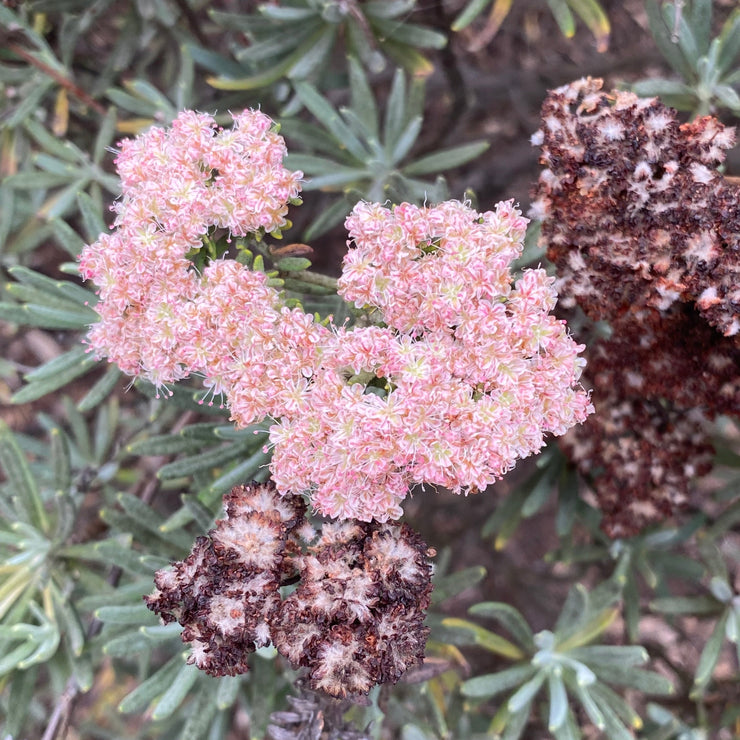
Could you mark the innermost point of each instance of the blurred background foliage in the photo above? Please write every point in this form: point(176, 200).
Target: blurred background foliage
point(103, 482)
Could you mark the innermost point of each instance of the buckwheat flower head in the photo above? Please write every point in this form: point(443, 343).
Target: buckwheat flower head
point(634, 209)
point(225, 594)
point(468, 374)
point(641, 455)
point(179, 185)
point(422, 266)
point(644, 232)
point(356, 618)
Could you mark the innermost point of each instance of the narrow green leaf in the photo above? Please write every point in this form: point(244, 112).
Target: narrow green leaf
point(700, 21)
point(109, 551)
point(20, 698)
point(445, 159)
point(48, 317)
point(70, 623)
point(471, 11)
point(360, 43)
point(524, 695)
point(130, 103)
point(588, 631)
point(67, 237)
point(610, 655)
point(729, 38)
point(146, 91)
point(147, 691)
point(592, 710)
point(362, 97)
point(686, 39)
point(92, 221)
point(541, 489)
point(388, 8)
point(574, 611)
point(613, 727)
point(308, 64)
point(709, 656)
point(509, 618)
point(203, 462)
point(59, 147)
point(201, 715)
point(192, 509)
point(35, 180)
point(26, 495)
point(44, 651)
point(64, 290)
point(130, 614)
point(593, 15)
point(409, 34)
point(228, 691)
point(325, 112)
point(100, 390)
point(268, 76)
point(396, 117)
point(164, 444)
point(11, 660)
point(646, 681)
point(183, 89)
point(38, 387)
point(42, 298)
point(492, 684)
point(563, 17)
point(337, 180)
point(176, 692)
point(727, 96)
point(568, 500)
point(127, 644)
point(313, 165)
point(279, 13)
point(662, 34)
point(60, 458)
point(445, 587)
point(293, 264)
point(614, 706)
point(106, 132)
point(558, 701)
point(405, 141)
point(146, 517)
point(327, 219)
point(484, 638)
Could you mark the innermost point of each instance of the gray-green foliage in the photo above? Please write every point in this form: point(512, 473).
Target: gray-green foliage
point(589, 12)
point(707, 66)
point(361, 154)
point(560, 668)
point(296, 40)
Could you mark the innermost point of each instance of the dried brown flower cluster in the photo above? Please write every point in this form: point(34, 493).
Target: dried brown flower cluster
point(226, 592)
point(356, 618)
point(641, 453)
point(635, 213)
point(645, 234)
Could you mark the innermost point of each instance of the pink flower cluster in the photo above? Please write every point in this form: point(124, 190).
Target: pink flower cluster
point(179, 185)
point(459, 374)
point(464, 376)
